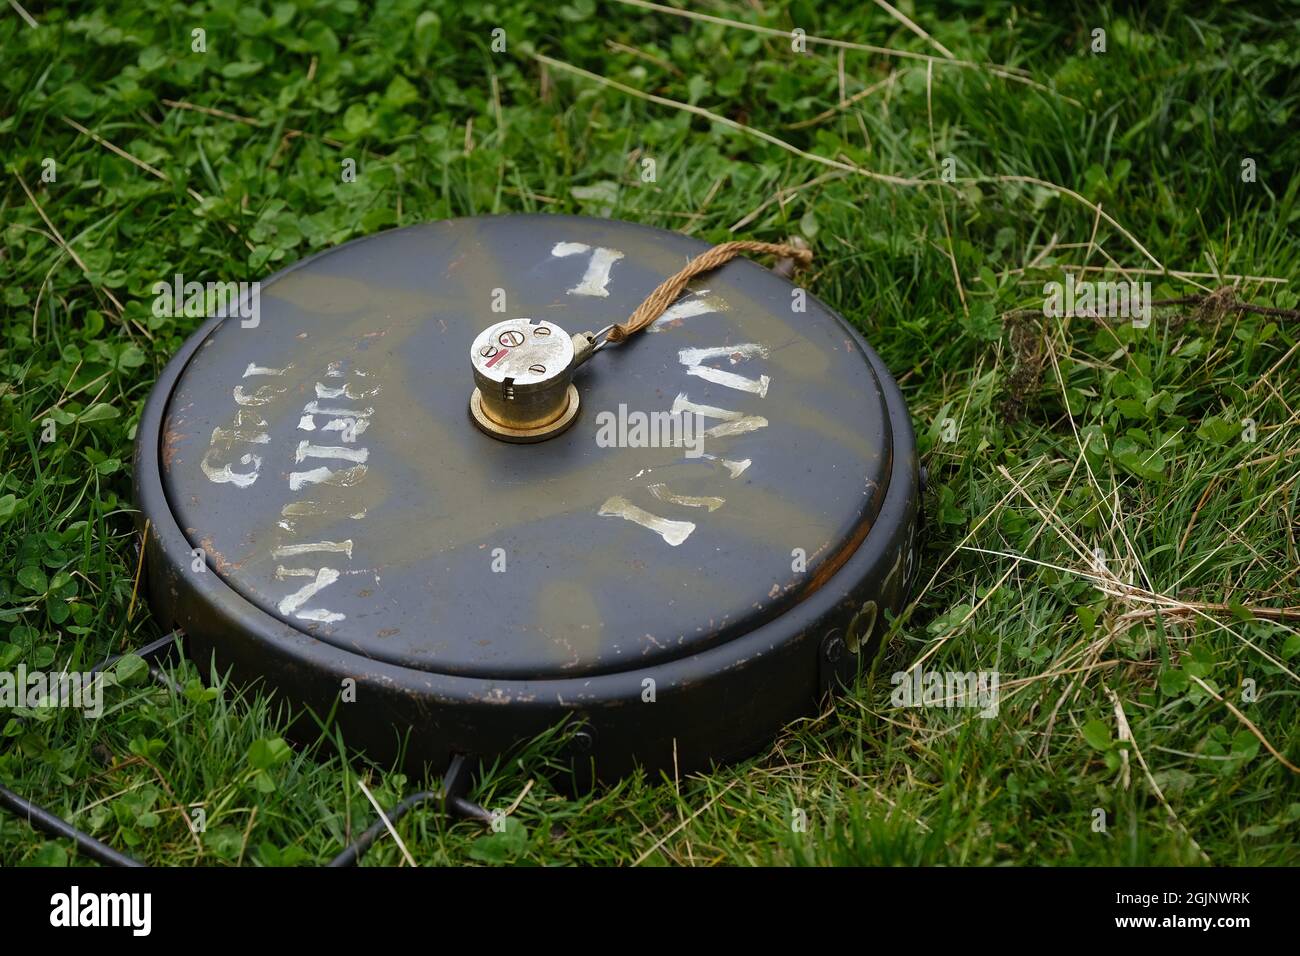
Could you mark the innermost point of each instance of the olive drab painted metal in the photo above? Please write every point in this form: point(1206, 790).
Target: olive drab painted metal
point(710, 543)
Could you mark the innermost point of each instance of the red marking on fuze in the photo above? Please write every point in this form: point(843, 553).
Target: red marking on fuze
point(497, 358)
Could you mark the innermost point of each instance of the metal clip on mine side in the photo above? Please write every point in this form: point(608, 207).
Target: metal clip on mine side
point(523, 373)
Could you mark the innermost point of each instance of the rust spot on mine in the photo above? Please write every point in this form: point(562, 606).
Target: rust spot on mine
point(218, 559)
point(170, 442)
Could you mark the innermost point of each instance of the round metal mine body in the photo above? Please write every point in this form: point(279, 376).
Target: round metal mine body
point(707, 547)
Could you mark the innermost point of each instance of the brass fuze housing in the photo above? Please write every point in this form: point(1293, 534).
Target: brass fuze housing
point(523, 370)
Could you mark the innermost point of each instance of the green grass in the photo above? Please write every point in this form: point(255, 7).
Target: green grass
point(1069, 436)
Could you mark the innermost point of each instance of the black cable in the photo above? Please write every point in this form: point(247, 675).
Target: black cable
point(148, 652)
point(455, 782)
point(352, 854)
point(46, 822)
point(41, 819)
point(459, 805)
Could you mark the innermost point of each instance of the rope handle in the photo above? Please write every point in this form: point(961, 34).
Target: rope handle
point(668, 291)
